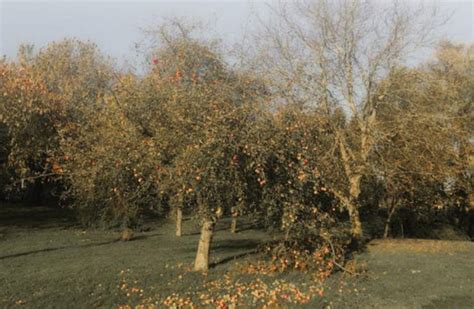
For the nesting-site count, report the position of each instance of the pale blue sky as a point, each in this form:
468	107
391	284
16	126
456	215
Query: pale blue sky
114	25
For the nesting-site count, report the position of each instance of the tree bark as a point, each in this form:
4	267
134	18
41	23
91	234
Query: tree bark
202	256
233	225
356	225
353	209
391	211
386	229
179	221
354	217
354	188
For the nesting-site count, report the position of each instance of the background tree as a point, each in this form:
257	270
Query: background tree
44	92
453	65
417	153
333	54
198	112
295	199
29	119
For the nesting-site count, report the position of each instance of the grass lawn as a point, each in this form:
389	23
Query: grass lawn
49	262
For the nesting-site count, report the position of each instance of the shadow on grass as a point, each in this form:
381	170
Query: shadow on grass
250	246
233	258
248	227
455	301
235	244
34	216
57	248
224	224
140	237
217	229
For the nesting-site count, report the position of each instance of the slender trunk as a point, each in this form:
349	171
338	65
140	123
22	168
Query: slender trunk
233	225
287	234
386	229
391	210
202	256
179	221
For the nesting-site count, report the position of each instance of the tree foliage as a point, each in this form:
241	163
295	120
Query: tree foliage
327	131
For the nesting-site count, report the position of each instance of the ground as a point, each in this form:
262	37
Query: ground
409	273
50	262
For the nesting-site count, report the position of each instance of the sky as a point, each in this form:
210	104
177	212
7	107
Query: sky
115	25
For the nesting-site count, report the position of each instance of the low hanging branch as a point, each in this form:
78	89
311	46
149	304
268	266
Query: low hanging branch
23	179
334	256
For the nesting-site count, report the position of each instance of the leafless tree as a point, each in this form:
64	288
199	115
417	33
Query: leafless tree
331	55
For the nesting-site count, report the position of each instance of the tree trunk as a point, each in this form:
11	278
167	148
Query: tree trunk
233	225
202	257
391	211
356	225
179	221
353	209
354	217
386	229
354	189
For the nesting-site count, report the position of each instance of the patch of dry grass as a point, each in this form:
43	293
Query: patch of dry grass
421	245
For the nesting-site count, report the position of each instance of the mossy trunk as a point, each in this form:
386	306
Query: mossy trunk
202	256
179	222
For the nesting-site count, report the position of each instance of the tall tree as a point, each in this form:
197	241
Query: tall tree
417	153
333	54
44	92
204	111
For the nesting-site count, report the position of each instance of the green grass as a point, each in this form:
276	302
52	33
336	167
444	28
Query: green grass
47	261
